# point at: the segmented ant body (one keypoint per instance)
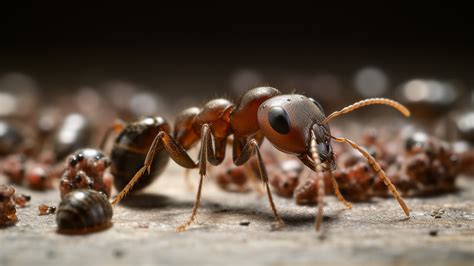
(294, 124)
(130, 150)
(83, 211)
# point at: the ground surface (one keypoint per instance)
(235, 229)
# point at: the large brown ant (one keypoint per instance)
(294, 124)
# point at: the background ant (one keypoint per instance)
(293, 123)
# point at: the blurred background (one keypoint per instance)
(158, 59)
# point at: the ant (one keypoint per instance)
(293, 123)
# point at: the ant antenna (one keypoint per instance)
(402, 109)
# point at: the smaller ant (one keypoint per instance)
(37, 175)
(44, 209)
(86, 169)
(8, 200)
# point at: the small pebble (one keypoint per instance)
(438, 213)
(118, 253)
(245, 223)
(434, 233)
(45, 209)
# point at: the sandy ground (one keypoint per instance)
(235, 229)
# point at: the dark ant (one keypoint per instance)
(293, 123)
(130, 149)
(10, 138)
(83, 211)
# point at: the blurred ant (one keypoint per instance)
(294, 124)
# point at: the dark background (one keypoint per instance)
(178, 49)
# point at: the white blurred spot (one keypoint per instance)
(120, 93)
(144, 104)
(18, 83)
(3, 128)
(8, 104)
(371, 82)
(72, 123)
(466, 122)
(430, 91)
(88, 99)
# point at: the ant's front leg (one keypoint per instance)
(378, 169)
(177, 153)
(241, 156)
(212, 151)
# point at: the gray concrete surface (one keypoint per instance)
(235, 229)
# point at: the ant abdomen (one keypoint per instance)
(130, 150)
(83, 211)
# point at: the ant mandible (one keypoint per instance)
(294, 124)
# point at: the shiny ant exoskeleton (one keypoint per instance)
(130, 150)
(294, 124)
(83, 211)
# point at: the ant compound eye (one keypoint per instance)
(279, 120)
(317, 104)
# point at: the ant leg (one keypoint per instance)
(319, 180)
(338, 192)
(116, 127)
(206, 153)
(242, 158)
(187, 181)
(253, 179)
(376, 166)
(176, 152)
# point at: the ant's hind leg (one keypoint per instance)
(242, 158)
(176, 152)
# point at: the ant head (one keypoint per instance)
(289, 122)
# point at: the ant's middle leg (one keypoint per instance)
(177, 153)
(242, 156)
(209, 151)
